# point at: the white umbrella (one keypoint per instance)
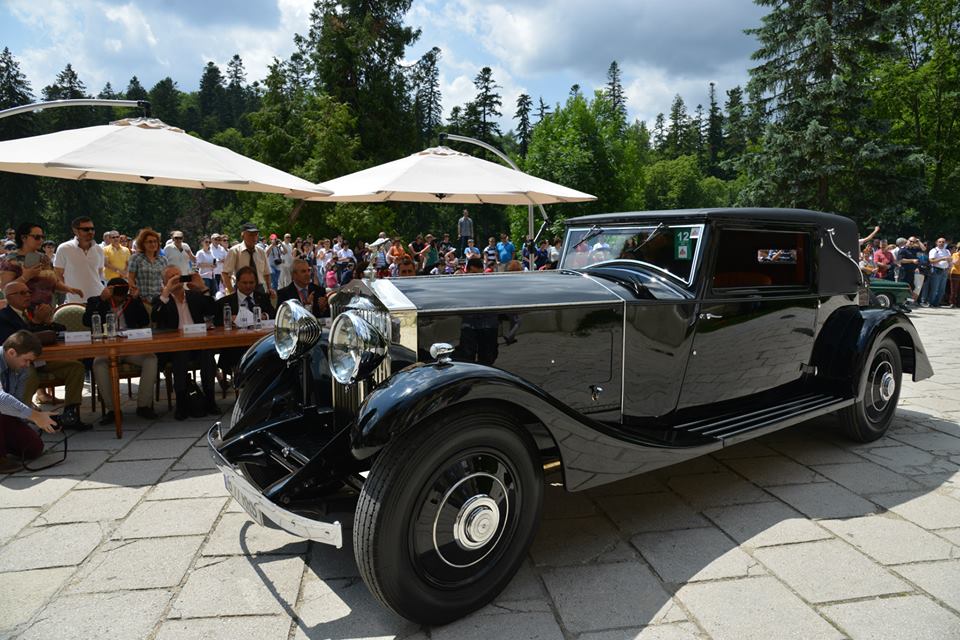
(442, 175)
(146, 151)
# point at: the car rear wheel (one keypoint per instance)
(869, 418)
(447, 514)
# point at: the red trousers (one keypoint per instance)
(18, 438)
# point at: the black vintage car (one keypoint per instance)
(432, 405)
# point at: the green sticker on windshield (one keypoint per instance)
(681, 244)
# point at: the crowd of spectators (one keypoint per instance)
(930, 269)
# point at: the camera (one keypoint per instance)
(186, 279)
(120, 289)
(56, 422)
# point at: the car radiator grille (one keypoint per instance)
(348, 398)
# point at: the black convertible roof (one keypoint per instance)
(826, 220)
(837, 270)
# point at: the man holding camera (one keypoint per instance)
(186, 300)
(20, 349)
(123, 302)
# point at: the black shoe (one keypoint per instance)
(213, 409)
(181, 413)
(107, 419)
(70, 419)
(147, 412)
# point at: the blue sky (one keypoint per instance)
(538, 47)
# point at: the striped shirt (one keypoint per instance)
(11, 388)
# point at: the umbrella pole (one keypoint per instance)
(443, 137)
(78, 102)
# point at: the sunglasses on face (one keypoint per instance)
(86, 229)
(36, 236)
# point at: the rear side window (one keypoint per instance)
(769, 260)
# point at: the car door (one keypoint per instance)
(755, 323)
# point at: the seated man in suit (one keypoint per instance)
(16, 317)
(311, 296)
(124, 302)
(177, 305)
(242, 302)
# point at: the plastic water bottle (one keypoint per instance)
(257, 321)
(111, 325)
(227, 318)
(96, 327)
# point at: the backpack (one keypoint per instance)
(924, 263)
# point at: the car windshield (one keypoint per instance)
(671, 249)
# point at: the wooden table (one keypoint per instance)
(161, 342)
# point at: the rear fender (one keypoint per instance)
(850, 336)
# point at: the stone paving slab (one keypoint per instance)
(849, 540)
(914, 617)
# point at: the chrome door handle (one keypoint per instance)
(709, 316)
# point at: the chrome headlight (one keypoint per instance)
(295, 331)
(357, 347)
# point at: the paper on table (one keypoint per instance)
(139, 334)
(195, 329)
(73, 337)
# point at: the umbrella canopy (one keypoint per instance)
(442, 175)
(146, 151)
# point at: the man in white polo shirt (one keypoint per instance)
(80, 261)
(179, 254)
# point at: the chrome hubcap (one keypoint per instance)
(477, 522)
(888, 384)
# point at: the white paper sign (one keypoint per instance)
(195, 329)
(268, 324)
(139, 334)
(74, 337)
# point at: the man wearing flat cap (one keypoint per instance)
(247, 253)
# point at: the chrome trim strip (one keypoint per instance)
(324, 532)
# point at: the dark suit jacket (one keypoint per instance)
(10, 323)
(262, 300)
(289, 292)
(166, 316)
(135, 314)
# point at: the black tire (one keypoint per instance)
(871, 415)
(447, 514)
(884, 300)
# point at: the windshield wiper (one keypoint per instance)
(595, 230)
(660, 227)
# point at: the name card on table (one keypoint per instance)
(268, 324)
(76, 337)
(195, 329)
(139, 334)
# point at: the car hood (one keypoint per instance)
(491, 291)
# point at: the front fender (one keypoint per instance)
(591, 452)
(850, 335)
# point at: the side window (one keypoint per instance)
(749, 259)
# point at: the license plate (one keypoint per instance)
(246, 501)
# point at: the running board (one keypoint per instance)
(733, 428)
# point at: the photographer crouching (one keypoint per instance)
(16, 436)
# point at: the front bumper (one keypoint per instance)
(260, 508)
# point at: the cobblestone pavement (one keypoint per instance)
(798, 535)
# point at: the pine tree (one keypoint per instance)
(735, 133)
(107, 93)
(165, 101)
(455, 121)
(696, 140)
(659, 133)
(676, 141)
(821, 150)
(21, 193)
(211, 100)
(542, 110)
(135, 90)
(574, 90)
(427, 99)
(522, 116)
(614, 92)
(714, 134)
(487, 104)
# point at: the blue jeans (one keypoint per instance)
(211, 284)
(274, 278)
(938, 284)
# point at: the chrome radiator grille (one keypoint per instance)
(348, 398)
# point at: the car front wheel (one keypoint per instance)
(447, 514)
(871, 415)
